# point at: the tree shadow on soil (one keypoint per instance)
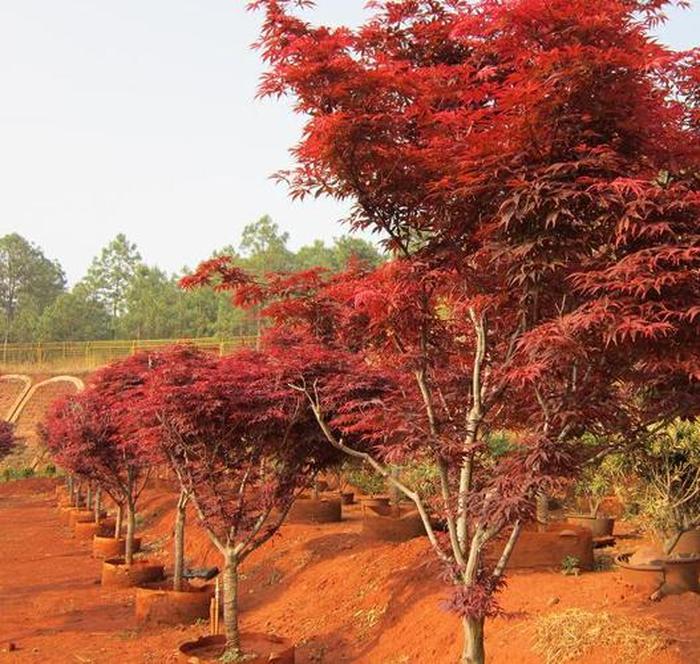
(272, 581)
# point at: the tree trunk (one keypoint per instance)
(233, 637)
(179, 542)
(473, 651)
(394, 492)
(97, 505)
(130, 529)
(118, 524)
(88, 496)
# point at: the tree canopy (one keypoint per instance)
(122, 297)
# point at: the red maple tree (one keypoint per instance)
(178, 368)
(8, 440)
(242, 444)
(535, 159)
(94, 435)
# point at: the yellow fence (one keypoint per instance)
(85, 355)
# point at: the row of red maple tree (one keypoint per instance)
(532, 166)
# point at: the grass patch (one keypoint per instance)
(567, 635)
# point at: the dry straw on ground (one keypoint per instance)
(567, 635)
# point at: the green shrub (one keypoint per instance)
(366, 480)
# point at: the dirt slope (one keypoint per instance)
(340, 598)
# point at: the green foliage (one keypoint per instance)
(600, 480)
(500, 443)
(337, 256)
(366, 480)
(29, 282)
(110, 274)
(665, 473)
(570, 566)
(12, 474)
(122, 298)
(265, 248)
(74, 317)
(423, 477)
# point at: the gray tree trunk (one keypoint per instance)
(130, 530)
(118, 522)
(233, 637)
(473, 651)
(179, 542)
(97, 504)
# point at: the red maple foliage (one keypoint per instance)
(175, 367)
(533, 163)
(242, 443)
(93, 434)
(8, 440)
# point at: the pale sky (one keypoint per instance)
(138, 116)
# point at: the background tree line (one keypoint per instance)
(121, 297)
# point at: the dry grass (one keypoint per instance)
(567, 635)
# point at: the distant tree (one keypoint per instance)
(316, 254)
(29, 282)
(150, 303)
(264, 248)
(74, 316)
(110, 275)
(347, 247)
(337, 256)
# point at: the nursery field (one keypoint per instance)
(477, 441)
(338, 596)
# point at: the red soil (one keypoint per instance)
(35, 409)
(338, 597)
(10, 390)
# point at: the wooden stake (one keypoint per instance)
(216, 606)
(211, 616)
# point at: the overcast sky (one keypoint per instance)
(138, 116)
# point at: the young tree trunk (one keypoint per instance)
(179, 542)
(233, 637)
(69, 484)
(88, 496)
(473, 650)
(118, 522)
(394, 492)
(97, 505)
(130, 530)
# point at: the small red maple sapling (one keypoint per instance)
(242, 444)
(94, 435)
(8, 440)
(178, 369)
